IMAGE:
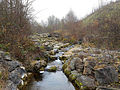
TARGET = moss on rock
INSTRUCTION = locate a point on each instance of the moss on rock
(42, 69)
(78, 83)
(72, 77)
(67, 72)
(64, 66)
(52, 69)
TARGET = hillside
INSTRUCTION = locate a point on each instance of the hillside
(108, 11)
(103, 26)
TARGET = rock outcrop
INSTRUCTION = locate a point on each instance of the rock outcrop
(90, 68)
(14, 71)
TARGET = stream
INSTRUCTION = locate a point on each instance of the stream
(51, 80)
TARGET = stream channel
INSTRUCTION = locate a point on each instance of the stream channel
(51, 80)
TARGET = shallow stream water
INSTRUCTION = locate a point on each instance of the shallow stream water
(51, 80)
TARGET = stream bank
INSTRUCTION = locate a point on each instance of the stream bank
(14, 73)
(92, 68)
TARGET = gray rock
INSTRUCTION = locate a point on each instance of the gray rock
(86, 81)
(72, 64)
(75, 73)
(10, 86)
(7, 58)
(16, 75)
(106, 75)
(20, 71)
(48, 48)
(37, 66)
(55, 51)
(88, 67)
(106, 88)
(79, 65)
(12, 65)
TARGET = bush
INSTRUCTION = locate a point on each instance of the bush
(15, 28)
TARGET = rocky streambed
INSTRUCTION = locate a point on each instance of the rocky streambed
(18, 76)
(52, 78)
(92, 68)
(65, 67)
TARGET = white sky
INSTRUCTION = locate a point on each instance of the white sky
(60, 8)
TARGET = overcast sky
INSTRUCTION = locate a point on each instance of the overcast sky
(60, 8)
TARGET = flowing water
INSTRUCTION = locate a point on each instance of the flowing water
(52, 80)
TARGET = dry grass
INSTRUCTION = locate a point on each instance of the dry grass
(3, 77)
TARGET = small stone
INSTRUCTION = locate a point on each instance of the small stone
(43, 63)
(52, 69)
(7, 58)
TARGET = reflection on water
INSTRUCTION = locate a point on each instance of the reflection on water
(52, 81)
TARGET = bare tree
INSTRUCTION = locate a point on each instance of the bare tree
(70, 17)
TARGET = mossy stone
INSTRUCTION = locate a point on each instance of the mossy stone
(67, 72)
(42, 69)
(64, 66)
(81, 86)
(72, 77)
(52, 69)
(78, 83)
